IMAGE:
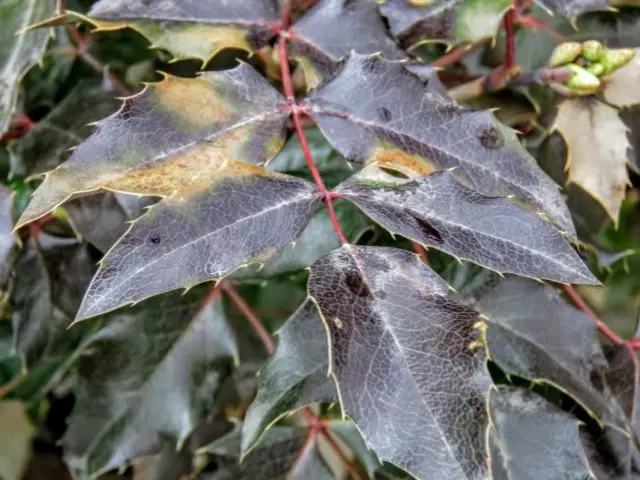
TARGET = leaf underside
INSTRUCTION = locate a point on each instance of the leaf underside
(400, 354)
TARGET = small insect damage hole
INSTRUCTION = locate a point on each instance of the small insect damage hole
(155, 239)
(384, 114)
(356, 285)
(491, 138)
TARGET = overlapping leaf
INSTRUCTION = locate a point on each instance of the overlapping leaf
(375, 111)
(525, 428)
(186, 28)
(19, 50)
(148, 374)
(574, 8)
(332, 29)
(296, 375)
(283, 453)
(437, 211)
(8, 239)
(175, 138)
(400, 352)
(444, 20)
(533, 333)
(620, 88)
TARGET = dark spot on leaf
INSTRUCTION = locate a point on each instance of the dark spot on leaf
(384, 114)
(491, 138)
(427, 230)
(356, 285)
(155, 239)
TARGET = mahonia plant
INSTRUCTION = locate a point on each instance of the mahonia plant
(357, 173)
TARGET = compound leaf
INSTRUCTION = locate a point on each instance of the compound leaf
(400, 352)
(439, 212)
(175, 138)
(148, 374)
(183, 242)
(332, 29)
(533, 333)
(186, 28)
(597, 144)
(526, 428)
(283, 453)
(19, 50)
(296, 375)
(376, 111)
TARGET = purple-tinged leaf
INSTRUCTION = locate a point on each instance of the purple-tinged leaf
(612, 454)
(400, 352)
(529, 438)
(174, 139)
(376, 111)
(439, 212)
(8, 239)
(295, 376)
(572, 9)
(332, 29)
(182, 242)
(147, 375)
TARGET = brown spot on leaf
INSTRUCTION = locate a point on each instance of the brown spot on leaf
(356, 284)
(393, 158)
(491, 138)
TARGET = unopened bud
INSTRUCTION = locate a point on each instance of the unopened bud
(592, 50)
(582, 82)
(596, 68)
(565, 53)
(614, 59)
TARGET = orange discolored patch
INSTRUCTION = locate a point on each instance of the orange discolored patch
(392, 158)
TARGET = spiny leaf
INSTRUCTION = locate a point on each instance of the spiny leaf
(572, 9)
(283, 453)
(186, 241)
(437, 211)
(530, 439)
(375, 111)
(186, 28)
(533, 333)
(148, 374)
(445, 20)
(400, 352)
(176, 138)
(19, 50)
(597, 146)
(332, 29)
(8, 239)
(621, 87)
(295, 376)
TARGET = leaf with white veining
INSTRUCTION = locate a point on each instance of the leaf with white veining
(376, 111)
(400, 352)
(148, 374)
(572, 9)
(8, 239)
(439, 212)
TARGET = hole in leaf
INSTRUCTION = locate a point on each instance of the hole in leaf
(155, 239)
(384, 114)
(356, 285)
(491, 138)
(427, 230)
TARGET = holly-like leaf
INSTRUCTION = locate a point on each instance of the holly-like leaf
(176, 138)
(612, 454)
(572, 9)
(620, 87)
(19, 50)
(533, 333)
(186, 242)
(187, 29)
(376, 111)
(283, 453)
(46, 144)
(332, 29)
(439, 212)
(148, 374)
(400, 352)
(8, 239)
(295, 376)
(597, 144)
(445, 20)
(525, 428)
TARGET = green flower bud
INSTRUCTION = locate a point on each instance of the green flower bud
(613, 59)
(565, 53)
(596, 68)
(592, 50)
(582, 82)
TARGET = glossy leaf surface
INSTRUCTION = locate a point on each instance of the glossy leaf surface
(400, 354)
(573, 8)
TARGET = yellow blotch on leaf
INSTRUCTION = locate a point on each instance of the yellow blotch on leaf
(389, 156)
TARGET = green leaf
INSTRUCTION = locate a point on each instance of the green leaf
(533, 333)
(530, 439)
(146, 375)
(619, 89)
(283, 453)
(572, 9)
(400, 352)
(194, 30)
(332, 29)
(174, 139)
(8, 239)
(19, 50)
(439, 212)
(417, 137)
(477, 20)
(295, 376)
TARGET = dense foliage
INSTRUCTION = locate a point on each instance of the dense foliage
(433, 204)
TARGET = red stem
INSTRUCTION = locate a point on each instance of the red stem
(510, 54)
(422, 253)
(287, 84)
(455, 55)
